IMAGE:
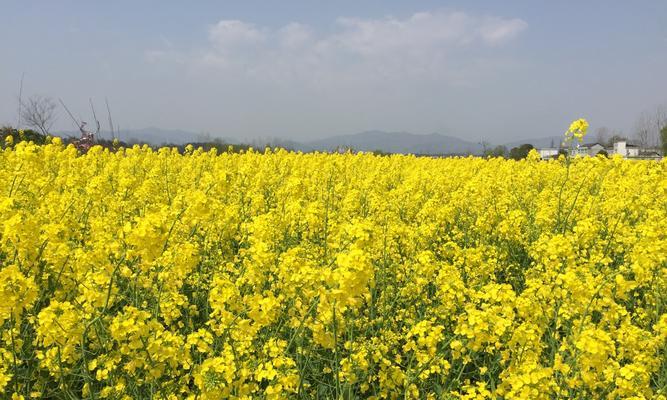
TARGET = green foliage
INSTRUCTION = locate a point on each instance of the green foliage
(498, 151)
(663, 140)
(21, 134)
(518, 153)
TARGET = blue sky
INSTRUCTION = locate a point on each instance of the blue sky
(307, 69)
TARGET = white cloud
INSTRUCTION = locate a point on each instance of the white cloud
(230, 34)
(495, 30)
(422, 31)
(359, 51)
(294, 36)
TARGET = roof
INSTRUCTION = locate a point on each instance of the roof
(592, 144)
(627, 144)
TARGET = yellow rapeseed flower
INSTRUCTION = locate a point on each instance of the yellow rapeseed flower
(139, 272)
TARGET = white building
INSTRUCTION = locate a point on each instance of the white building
(621, 147)
(548, 152)
(626, 150)
(589, 149)
(594, 149)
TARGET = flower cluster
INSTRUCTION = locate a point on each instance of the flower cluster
(141, 273)
(577, 130)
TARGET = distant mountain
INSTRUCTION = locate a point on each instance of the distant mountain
(387, 142)
(395, 142)
(159, 136)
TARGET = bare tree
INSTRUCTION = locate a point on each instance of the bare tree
(601, 135)
(616, 136)
(659, 122)
(643, 128)
(97, 123)
(39, 113)
(648, 126)
(485, 146)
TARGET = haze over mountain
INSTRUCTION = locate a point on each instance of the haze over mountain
(375, 140)
(396, 142)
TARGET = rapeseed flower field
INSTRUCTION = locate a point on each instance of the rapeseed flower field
(141, 273)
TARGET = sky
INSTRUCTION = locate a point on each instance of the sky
(308, 69)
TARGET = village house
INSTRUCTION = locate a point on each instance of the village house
(621, 147)
(548, 152)
(625, 149)
(591, 149)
